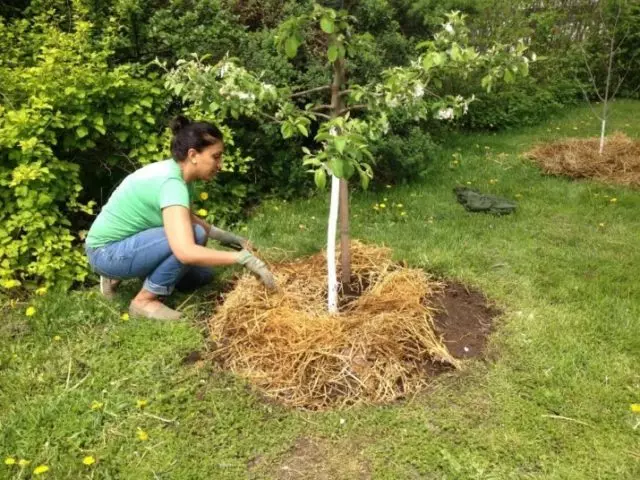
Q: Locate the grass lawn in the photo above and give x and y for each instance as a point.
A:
(553, 401)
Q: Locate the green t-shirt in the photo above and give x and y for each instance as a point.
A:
(137, 203)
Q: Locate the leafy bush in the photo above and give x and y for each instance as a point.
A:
(403, 157)
(66, 114)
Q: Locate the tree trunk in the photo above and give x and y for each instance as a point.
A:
(339, 202)
(337, 105)
(332, 278)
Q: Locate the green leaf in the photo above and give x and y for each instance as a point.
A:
(291, 46)
(286, 130)
(364, 179)
(332, 53)
(303, 130)
(320, 178)
(337, 167)
(306, 150)
(340, 143)
(146, 102)
(129, 109)
(82, 132)
(508, 76)
(327, 25)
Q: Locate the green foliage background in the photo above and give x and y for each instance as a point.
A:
(83, 104)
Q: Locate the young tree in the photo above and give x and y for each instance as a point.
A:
(355, 115)
(612, 37)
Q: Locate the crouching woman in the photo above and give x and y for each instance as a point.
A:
(147, 230)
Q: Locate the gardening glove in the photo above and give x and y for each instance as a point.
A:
(229, 239)
(257, 266)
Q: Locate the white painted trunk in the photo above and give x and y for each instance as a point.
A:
(332, 277)
(602, 130)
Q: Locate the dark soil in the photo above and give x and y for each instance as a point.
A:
(464, 319)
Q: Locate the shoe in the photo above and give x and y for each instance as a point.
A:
(155, 311)
(108, 287)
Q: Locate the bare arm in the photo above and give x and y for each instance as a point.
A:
(179, 229)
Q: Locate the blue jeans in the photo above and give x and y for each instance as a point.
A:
(147, 255)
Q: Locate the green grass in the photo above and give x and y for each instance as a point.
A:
(553, 401)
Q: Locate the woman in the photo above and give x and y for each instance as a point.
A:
(147, 230)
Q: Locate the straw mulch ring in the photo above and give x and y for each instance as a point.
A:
(579, 158)
(380, 347)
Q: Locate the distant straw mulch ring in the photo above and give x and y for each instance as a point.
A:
(379, 348)
(579, 158)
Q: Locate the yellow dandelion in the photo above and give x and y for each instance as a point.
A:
(399, 205)
(403, 214)
(88, 460)
(23, 463)
(204, 196)
(468, 183)
(30, 312)
(635, 407)
(124, 317)
(141, 403)
(9, 461)
(40, 469)
(142, 435)
(301, 227)
(613, 200)
(57, 338)
(202, 212)
(518, 195)
(385, 199)
(601, 225)
(382, 205)
(41, 291)
(95, 405)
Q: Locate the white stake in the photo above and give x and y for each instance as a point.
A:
(332, 278)
(602, 130)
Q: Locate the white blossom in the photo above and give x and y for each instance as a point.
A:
(393, 102)
(223, 70)
(418, 90)
(445, 114)
(243, 95)
(333, 131)
(448, 27)
(533, 57)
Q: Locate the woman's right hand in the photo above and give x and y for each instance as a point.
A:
(257, 266)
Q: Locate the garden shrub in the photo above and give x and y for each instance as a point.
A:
(65, 115)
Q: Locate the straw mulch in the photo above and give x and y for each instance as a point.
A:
(579, 158)
(377, 349)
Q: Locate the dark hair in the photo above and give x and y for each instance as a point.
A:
(188, 134)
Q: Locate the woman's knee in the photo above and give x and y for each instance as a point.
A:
(200, 234)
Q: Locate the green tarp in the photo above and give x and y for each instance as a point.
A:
(475, 201)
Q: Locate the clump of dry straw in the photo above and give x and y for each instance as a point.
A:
(579, 158)
(377, 349)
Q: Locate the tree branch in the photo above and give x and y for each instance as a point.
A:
(311, 90)
(322, 115)
(586, 97)
(317, 108)
(270, 117)
(362, 106)
(591, 75)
